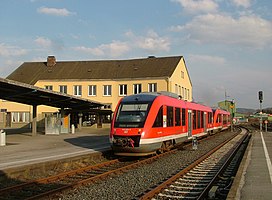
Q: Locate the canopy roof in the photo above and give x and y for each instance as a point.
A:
(28, 94)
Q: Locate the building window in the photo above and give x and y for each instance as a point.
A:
(49, 87)
(176, 88)
(122, 90)
(77, 90)
(137, 88)
(183, 95)
(106, 90)
(92, 90)
(188, 96)
(63, 89)
(20, 117)
(179, 90)
(152, 87)
(182, 74)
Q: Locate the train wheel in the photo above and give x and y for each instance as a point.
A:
(166, 146)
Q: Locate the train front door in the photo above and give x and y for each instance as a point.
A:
(189, 123)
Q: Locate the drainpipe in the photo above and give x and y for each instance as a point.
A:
(168, 84)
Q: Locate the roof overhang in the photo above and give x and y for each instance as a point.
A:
(28, 94)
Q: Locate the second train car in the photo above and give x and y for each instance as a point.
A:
(146, 123)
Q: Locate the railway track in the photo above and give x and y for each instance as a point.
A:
(49, 186)
(54, 185)
(195, 181)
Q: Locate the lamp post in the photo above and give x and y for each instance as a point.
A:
(261, 112)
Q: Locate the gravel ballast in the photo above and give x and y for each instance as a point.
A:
(133, 183)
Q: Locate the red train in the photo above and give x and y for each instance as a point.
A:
(149, 122)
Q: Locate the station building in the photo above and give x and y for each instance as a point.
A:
(105, 81)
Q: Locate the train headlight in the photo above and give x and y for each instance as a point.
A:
(143, 133)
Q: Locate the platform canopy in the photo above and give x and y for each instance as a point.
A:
(28, 94)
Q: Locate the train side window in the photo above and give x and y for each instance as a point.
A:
(159, 118)
(210, 117)
(170, 117)
(194, 119)
(220, 118)
(225, 120)
(177, 117)
(199, 119)
(183, 117)
(203, 119)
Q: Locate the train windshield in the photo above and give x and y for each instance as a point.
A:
(131, 115)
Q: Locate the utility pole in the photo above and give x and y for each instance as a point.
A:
(261, 112)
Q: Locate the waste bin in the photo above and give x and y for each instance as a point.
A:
(2, 138)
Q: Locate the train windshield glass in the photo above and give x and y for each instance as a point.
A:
(131, 115)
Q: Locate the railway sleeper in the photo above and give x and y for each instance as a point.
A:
(206, 176)
(167, 196)
(190, 188)
(195, 179)
(186, 184)
(184, 193)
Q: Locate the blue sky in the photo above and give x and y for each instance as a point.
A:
(226, 43)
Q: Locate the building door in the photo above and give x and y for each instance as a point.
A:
(8, 119)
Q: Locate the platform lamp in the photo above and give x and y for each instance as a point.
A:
(261, 112)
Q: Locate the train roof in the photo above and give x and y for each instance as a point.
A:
(140, 97)
(148, 96)
(220, 110)
(196, 106)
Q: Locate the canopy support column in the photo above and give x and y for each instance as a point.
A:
(34, 120)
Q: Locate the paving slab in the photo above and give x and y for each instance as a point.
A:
(254, 177)
(24, 149)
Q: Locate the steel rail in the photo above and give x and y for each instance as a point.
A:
(223, 167)
(57, 177)
(76, 183)
(150, 194)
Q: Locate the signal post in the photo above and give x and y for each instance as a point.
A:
(261, 112)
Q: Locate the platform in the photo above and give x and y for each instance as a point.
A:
(24, 149)
(254, 177)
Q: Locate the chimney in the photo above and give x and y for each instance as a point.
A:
(51, 61)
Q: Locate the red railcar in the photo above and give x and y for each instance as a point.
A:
(221, 120)
(147, 122)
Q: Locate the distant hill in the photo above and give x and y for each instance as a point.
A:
(245, 110)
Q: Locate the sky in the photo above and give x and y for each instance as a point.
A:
(226, 44)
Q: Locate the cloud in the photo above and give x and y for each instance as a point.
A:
(198, 6)
(48, 44)
(242, 3)
(7, 50)
(114, 49)
(93, 51)
(207, 60)
(44, 42)
(152, 41)
(251, 31)
(55, 11)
